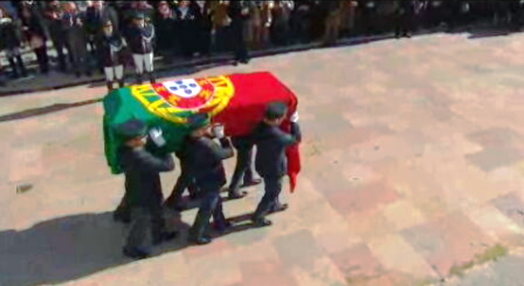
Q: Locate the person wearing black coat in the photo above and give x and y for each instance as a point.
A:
(238, 11)
(405, 15)
(270, 161)
(187, 27)
(36, 32)
(111, 48)
(141, 37)
(53, 13)
(76, 38)
(204, 163)
(204, 26)
(143, 188)
(10, 33)
(164, 22)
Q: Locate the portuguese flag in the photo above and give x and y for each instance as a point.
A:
(237, 101)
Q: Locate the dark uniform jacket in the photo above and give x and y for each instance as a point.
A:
(141, 39)
(271, 144)
(141, 168)
(111, 50)
(204, 161)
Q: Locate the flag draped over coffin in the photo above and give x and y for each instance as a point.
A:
(237, 101)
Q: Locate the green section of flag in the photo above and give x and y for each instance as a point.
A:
(120, 106)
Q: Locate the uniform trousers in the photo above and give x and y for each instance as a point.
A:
(144, 221)
(143, 62)
(270, 201)
(114, 72)
(210, 205)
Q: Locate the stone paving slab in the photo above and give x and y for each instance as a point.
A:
(412, 172)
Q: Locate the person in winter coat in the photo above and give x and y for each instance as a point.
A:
(53, 14)
(164, 23)
(141, 37)
(187, 27)
(111, 48)
(36, 32)
(238, 11)
(10, 33)
(76, 37)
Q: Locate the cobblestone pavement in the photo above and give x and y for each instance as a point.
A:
(413, 157)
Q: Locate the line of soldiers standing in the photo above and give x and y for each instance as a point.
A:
(202, 172)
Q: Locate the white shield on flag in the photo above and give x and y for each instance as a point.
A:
(185, 88)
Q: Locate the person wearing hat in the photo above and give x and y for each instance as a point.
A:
(204, 163)
(111, 51)
(143, 197)
(141, 38)
(270, 161)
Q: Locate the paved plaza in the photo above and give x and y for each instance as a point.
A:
(413, 164)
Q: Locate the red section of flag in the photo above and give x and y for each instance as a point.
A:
(253, 92)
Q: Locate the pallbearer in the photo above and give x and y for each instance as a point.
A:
(143, 196)
(270, 160)
(204, 162)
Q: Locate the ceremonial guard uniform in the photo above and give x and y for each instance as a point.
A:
(141, 38)
(270, 160)
(111, 47)
(143, 188)
(243, 170)
(204, 159)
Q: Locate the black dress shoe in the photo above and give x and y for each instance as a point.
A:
(135, 253)
(200, 240)
(164, 237)
(261, 222)
(251, 183)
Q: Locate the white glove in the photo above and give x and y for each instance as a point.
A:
(294, 117)
(156, 137)
(218, 131)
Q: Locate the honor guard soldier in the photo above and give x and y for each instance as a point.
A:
(143, 196)
(243, 170)
(141, 38)
(270, 161)
(204, 161)
(111, 49)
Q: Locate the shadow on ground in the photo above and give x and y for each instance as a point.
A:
(45, 110)
(72, 247)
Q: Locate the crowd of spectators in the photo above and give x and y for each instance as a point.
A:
(189, 29)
